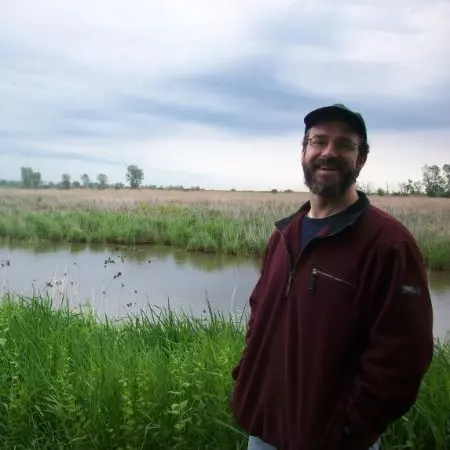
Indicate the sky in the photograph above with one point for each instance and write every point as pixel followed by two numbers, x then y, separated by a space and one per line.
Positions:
pixel 213 94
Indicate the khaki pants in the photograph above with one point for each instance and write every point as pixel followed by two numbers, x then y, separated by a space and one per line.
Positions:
pixel 255 443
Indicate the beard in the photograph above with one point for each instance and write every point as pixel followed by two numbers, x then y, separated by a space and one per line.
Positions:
pixel 347 176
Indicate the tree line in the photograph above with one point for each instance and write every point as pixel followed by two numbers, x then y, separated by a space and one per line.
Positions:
pixel 31 179
pixel 435 182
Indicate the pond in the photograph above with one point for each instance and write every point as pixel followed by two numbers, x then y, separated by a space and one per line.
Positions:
pixel 120 280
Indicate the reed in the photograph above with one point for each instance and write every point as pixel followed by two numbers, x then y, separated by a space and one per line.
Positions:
pixel 219 222
pixel 154 381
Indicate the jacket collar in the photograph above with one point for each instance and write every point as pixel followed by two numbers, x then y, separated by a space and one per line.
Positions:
pixel 341 221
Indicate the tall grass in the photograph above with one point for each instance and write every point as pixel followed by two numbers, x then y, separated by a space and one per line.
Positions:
pixel 156 381
pixel 67 380
pixel 218 223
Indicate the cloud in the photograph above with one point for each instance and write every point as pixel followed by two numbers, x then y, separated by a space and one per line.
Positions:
pixel 40 153
pixel 106 81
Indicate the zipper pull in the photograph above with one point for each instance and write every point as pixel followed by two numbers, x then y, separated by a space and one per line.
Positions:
pixel 312 280
pixel 289 284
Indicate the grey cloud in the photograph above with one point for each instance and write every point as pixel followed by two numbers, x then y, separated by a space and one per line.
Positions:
pixel 244 98
pixel 325 27
pixel 245 122
pixel 36 152
pixel 265 104
pixel 248 98
pixel 48 96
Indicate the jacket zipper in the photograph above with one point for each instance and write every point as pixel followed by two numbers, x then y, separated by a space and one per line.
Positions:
pixel 292 268
pixel 289 284
pixel 313 278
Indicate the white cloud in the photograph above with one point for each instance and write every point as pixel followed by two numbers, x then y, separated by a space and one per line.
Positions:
pixel 199 156
pixel 383 50
pixel 95 79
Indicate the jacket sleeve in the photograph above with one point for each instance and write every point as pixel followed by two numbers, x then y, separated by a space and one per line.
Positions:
pixel 399 348
pixel 253 304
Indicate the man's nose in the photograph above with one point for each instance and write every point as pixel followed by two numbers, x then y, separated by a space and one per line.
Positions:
pixel 330 149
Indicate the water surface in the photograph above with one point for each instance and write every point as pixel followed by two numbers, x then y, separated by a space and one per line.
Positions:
pixel 118 280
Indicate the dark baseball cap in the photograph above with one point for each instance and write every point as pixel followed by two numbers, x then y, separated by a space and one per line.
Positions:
pixel 337 111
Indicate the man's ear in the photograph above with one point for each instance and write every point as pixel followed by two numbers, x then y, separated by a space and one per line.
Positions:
pixel 361 161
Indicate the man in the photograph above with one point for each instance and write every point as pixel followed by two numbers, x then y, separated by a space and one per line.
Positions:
pixel 340 330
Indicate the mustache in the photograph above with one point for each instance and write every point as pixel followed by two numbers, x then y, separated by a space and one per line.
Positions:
pixel 331 163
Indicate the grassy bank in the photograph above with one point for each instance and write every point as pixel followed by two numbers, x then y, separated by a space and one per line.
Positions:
pixel 69 381
pixel 220 223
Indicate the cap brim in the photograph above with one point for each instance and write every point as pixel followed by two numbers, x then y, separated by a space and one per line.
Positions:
pixel 331 112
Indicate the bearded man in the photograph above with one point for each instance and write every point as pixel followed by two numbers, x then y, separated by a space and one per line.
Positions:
pixel 340 330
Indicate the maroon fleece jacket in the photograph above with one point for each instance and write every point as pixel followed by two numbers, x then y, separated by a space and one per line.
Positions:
pixel 340 334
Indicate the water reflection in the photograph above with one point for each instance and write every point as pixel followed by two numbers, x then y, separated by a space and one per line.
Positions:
pixel 117 280
pixel 141 253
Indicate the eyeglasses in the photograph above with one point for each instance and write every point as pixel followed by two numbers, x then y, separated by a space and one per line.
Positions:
pixel 321 143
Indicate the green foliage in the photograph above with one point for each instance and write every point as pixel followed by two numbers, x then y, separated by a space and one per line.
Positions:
pixel 65 182
pixel 434 181
pixel 30 179
pixel 155 381
pixel 102 180
pixel 134 176
pixel 10 184
pixel 198 227
pixel 411 188
pixel 85 179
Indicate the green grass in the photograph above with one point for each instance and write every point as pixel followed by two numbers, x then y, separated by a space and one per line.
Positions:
pixel 236 229
pixel 196 227
pixel 152 382
pixel 69 381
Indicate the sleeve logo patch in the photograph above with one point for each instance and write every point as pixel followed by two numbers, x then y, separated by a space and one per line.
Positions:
pixel 410 290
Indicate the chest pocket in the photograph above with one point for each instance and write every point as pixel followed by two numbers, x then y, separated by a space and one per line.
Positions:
pixel 332 303
pixel 325 284
pixel 317 274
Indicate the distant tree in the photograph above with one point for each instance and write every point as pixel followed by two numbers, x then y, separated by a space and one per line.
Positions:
pixel 27 176
pixel 65 183
pixel 36 180
pixel 364 187
pixel 381 192
pixel 76 184
pixel 10 183
pixel 446 170
pixel 134 176
pixel 85 180
pixel 119 186
pixel 411 188
pixel 434 181
pixel 102 181
pixel 30 179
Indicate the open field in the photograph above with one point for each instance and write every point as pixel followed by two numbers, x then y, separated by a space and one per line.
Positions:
pixel 152 382
pixel 213 221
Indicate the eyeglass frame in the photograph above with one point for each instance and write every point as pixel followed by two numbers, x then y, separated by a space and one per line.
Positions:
pixel 352 145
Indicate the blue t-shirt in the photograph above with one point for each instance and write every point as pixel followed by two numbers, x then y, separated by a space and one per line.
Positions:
pixel 310 227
